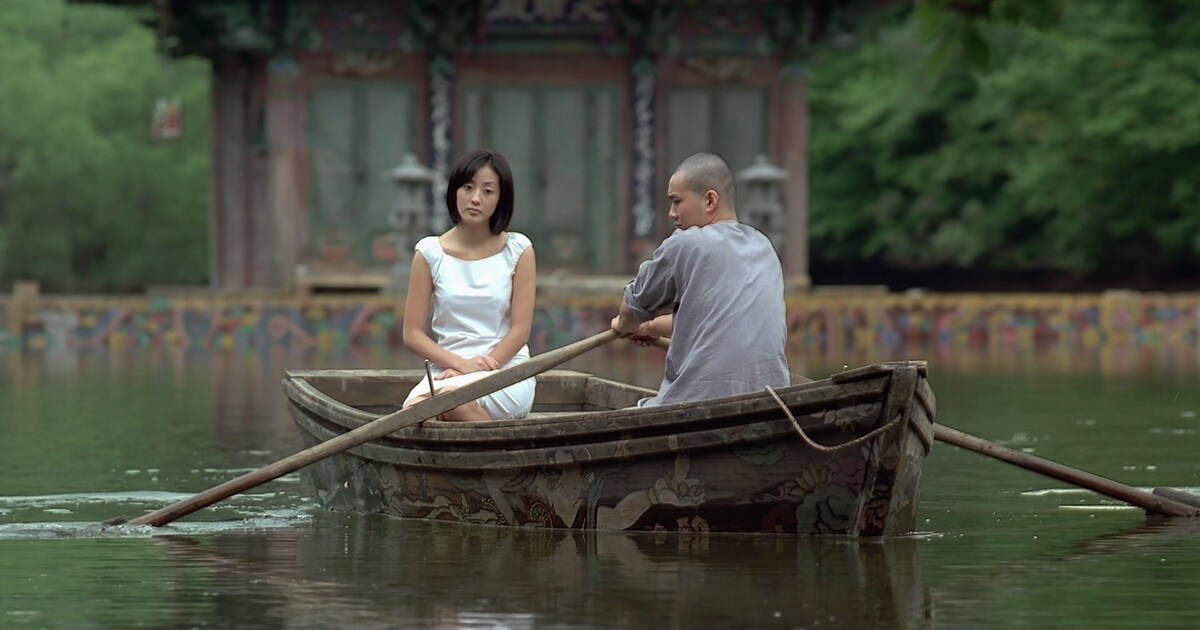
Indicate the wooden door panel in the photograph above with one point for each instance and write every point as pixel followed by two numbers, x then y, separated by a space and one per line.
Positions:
pixel 358 130
pixel 739 125
pixel 729 120
pixel 388 138
pixel 558 141
pixel 601 183
pixel 564 199
pixel 331 139
pixel 689 130
pixel 473 125
pixel 510 123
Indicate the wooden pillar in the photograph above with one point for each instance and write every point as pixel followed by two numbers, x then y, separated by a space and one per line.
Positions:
pixel 239 214
pixel 643 27
pixel 644 74
pixel 287 159
pixel 794 146
pixel 444 27
pixel 440 92
pixel 228 179
pixel 257 241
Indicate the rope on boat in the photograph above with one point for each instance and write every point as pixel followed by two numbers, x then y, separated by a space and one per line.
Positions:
pixel 829 449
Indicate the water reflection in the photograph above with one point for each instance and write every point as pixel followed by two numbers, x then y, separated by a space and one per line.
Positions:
pixel 376 572
pixel 643 366
pixel 1156 533
pixel 1110 359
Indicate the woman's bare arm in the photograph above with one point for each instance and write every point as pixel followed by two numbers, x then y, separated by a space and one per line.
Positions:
pixel 416 318
pixel 523 298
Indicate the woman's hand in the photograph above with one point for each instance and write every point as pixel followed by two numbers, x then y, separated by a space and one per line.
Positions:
pixel 484 363
pixel 487 363
pixel 447 374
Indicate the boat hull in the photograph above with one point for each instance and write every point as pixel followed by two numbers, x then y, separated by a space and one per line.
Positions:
pixel 737 464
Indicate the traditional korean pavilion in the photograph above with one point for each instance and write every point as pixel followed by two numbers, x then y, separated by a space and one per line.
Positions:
pixel 317 106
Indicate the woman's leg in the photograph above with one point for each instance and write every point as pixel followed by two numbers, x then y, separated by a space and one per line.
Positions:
pixel 463 413
pixel 470 412
pixel 513 401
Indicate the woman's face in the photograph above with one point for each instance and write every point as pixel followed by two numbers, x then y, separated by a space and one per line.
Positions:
pixel 478 197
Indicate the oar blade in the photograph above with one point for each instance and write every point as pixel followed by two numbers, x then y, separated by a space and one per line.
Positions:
pixel 1151 502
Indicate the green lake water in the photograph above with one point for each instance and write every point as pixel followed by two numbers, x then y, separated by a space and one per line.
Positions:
pixel 88 436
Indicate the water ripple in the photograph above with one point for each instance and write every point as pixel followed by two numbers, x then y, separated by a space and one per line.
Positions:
pixel 91 530
pixel 92 498
pixel 32 516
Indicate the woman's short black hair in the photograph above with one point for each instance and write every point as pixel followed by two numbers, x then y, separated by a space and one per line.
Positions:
pixel 466 169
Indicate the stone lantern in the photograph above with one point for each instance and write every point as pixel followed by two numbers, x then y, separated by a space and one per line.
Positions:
pixel 760 200
pixel 409 216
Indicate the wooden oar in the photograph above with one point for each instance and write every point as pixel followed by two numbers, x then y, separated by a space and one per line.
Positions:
pixel 1186 498
pixel 376 428
pixel 1163 501
pixel 1148 501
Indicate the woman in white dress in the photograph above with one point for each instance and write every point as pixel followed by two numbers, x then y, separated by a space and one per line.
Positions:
pixel 471 292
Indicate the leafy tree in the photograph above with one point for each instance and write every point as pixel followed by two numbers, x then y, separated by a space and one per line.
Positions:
pixel 1077 153
pixel 88 200
pixel 958 28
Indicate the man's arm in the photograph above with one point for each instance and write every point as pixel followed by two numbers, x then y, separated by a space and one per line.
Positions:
pixel 660 326
pixel 651 292
pixel 626 322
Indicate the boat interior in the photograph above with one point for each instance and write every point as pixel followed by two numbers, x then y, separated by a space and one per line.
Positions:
pixel 558 391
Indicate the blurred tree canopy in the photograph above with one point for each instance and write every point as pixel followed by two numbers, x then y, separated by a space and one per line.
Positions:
pixel 89 201
pixel 1073 159
pixel 958 28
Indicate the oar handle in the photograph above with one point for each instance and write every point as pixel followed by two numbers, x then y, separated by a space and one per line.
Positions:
pixel 1128 494
pixel 377 428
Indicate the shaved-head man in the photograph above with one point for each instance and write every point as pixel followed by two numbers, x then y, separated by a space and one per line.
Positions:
pixel 715 287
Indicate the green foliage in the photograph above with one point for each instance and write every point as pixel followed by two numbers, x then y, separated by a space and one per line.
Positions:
pixel 1078 152
pixel 88 200
pixel 958 28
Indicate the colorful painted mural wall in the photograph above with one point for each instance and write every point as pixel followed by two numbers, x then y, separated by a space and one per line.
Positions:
pixel 957 328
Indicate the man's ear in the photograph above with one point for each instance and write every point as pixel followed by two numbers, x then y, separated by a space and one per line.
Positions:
pixel 711 199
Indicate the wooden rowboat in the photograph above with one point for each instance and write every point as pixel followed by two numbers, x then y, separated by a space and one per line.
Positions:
pixel 848 461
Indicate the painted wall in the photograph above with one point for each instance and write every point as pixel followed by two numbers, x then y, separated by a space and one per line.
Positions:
pixel 961 329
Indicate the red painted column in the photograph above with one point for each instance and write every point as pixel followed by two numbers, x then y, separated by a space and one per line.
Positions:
pixel 287 180
pixel 794 153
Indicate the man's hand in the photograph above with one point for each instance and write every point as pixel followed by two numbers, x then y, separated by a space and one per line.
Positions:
pixel 625 325
pixel 645 334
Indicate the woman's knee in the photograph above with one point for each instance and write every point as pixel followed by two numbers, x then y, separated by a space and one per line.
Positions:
pixel 470 412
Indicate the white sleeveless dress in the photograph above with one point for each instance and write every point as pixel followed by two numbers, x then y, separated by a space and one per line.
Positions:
pixel 471 312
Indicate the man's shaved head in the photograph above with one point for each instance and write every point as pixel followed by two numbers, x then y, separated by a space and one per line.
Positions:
pixel 708 171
